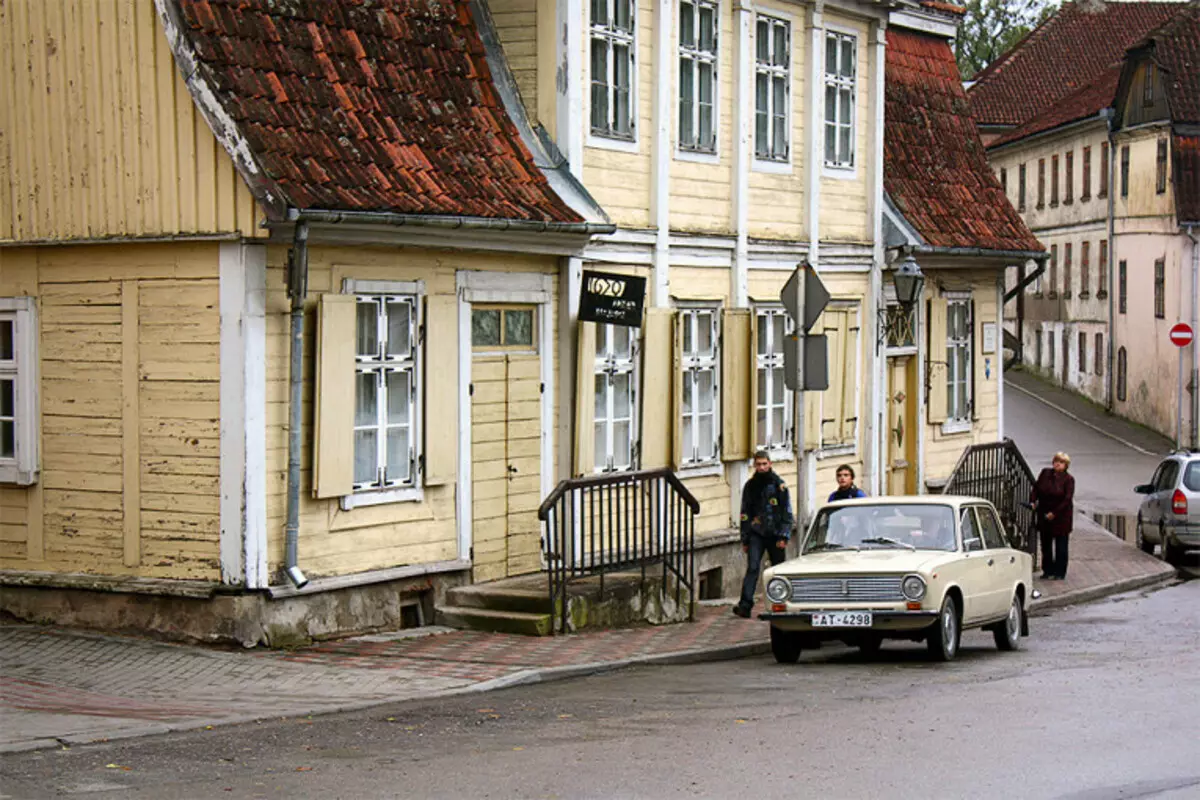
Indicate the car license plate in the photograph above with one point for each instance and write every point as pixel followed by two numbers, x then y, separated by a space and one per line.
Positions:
pixel 842 619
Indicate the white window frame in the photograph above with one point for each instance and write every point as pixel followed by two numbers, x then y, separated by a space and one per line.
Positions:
pixel 692 58
pixel 693 364
pixel 841 163
pixel 23 466
pixel 959 419
pixel 381 490
pixel 609 36
pixel 767 363
pixel 607 366
pixel 771 70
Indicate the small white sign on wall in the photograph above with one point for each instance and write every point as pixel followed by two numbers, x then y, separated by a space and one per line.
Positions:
pixel 989 337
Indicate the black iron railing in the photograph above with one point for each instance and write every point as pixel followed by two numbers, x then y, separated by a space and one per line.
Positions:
pixel 619 522
pixel 998 473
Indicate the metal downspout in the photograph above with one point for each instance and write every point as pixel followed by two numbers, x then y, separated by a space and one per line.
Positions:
pixel 297 289
pixel 1110 373
pixel 1191 232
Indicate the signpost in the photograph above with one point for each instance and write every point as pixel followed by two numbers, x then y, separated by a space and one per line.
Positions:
pixel 1181 336
pixel 805 366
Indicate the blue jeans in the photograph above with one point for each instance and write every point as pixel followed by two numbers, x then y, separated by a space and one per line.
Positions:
pixel 758 545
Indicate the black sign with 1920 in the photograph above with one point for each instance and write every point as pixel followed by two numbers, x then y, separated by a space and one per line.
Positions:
pixel 612 299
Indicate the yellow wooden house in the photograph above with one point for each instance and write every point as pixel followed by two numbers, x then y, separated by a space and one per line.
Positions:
pixel 289 338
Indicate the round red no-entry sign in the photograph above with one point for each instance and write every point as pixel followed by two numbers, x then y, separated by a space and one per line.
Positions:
pixel 1181 334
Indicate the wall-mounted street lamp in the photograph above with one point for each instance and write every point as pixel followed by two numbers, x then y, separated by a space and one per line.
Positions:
pixel 896 326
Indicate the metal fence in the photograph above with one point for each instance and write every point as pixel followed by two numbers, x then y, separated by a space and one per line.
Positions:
pixel 998 473
pixel 620 522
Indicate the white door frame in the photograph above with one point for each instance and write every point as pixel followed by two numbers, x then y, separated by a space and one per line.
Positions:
pixel 474 286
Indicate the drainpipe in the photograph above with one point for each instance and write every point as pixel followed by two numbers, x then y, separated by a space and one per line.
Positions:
pixel 1110 377
pixel 297 279
pixel 1191 232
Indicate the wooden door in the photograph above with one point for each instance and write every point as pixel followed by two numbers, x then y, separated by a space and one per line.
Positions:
pixel 901 467
pixel 506 454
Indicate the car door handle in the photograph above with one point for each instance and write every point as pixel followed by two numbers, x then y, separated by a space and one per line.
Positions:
pixel 1012 559
pixel 991 561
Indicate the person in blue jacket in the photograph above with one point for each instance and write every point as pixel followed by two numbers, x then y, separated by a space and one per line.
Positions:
pixel 767 522
pixel 846 489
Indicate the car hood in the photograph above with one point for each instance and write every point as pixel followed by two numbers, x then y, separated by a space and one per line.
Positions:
pixel 883 561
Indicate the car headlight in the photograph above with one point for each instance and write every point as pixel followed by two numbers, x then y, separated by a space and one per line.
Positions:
pixel 913 587
pixel 779 590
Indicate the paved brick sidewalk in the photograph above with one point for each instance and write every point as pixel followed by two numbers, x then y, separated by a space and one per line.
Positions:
pixel 61 687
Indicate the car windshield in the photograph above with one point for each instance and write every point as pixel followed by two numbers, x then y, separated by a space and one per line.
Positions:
pixel 876 526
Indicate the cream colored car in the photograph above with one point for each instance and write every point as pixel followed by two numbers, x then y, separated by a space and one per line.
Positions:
pixel 917 568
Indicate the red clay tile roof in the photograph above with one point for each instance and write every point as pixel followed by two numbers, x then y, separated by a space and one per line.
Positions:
pixel 1186 164
pixel 1085 103
pixel 1061 56
pixel 935 166
pixel 1177 54
pixel 945 8
pixel 387 105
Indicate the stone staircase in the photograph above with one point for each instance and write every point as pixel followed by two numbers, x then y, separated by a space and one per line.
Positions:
pixel 521 604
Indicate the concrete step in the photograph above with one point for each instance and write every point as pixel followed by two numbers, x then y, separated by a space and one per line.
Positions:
pixel 500 598
pixel 482 619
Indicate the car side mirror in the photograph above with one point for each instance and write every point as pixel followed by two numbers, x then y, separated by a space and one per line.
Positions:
pixel 1144 488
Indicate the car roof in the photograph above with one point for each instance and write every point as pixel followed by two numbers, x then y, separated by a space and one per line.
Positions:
pixel 948 500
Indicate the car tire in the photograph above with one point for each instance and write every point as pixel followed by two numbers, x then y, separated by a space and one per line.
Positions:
pixel 1008 633
pixel 1146 547
pixel 1171 554
pixel 946 633
pixel 785 645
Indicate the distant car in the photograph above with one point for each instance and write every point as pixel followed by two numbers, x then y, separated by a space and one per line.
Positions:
pixel 915 568
pixel 1170 513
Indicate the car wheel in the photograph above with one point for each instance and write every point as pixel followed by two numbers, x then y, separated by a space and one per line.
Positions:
pixel 785 645
pixel 1147 547
pixel 869 645
pixel 946 633
pixel 1008 633
pixel 1171 554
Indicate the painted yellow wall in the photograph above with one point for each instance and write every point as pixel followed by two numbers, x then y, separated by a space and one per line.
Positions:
pixel 942 451
pixel 844 193
pixel 130 412
pixel 101 138
pixel 333 541
pixel 1144 200
pixel 517 25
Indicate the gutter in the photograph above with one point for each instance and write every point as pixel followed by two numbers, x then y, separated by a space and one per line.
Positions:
pixel 445 222
pixel 1024 255
pixel 297 284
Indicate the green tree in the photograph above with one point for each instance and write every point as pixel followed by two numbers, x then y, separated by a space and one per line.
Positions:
pixel 990 28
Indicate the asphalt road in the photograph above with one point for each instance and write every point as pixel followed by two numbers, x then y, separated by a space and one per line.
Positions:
pixel 1100 704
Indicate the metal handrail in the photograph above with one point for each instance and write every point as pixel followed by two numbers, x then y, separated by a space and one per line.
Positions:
pixel 619 522
pixel 998 473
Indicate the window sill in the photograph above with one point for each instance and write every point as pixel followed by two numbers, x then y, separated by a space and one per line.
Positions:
pixel 772 167
pixel 1084 295
pixel 1066 295
pixel 780 453
pixel 600 141
pixel 1053 295
pixel 697 156
pixel 839 172
pixel 407 494
pixel 957 426
pixel 1085 198
pixel 1101 295
pixel 836 451
pixel 1068 202
pixel 706 470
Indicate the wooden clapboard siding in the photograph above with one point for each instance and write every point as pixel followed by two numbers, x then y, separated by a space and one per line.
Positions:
pixel 778 203
pixel 844 206
pixel 374 537
pixel 517 25
pixel 101 136
pixel 129 458
pixel 621 181
pixel 713 493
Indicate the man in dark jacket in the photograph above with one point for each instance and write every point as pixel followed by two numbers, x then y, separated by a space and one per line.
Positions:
pixel 766 525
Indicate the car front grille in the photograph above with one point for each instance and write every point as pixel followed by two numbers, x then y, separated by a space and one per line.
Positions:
pixel 880 589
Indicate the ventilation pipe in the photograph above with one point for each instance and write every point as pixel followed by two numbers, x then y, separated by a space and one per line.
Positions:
pixel 297 284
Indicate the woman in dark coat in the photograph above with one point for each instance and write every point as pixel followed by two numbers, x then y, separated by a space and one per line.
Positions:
pixel 1053 497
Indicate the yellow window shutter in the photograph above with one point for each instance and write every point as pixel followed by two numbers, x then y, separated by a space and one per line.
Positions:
pixel 752 395
pixel 677 393
pixel 585 400
pixel 812 420
pixel 736 371
pixel 333 447
pixel 831 416
pixel 849 410
pixel 658 338
pixel 936 355
pixel 441 389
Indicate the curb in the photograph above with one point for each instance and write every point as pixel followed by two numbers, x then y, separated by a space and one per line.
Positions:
pixel 1158 580
pixel 1080 420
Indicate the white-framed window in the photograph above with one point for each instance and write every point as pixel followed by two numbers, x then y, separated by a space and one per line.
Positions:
pixel 841 67
pixel 772 87
pixel 387 412
pixel 699 23
pixel 616 397
pixel 18 391
pixel 701 401
pixel 959 361
pixel 773 413
pixel 614 45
